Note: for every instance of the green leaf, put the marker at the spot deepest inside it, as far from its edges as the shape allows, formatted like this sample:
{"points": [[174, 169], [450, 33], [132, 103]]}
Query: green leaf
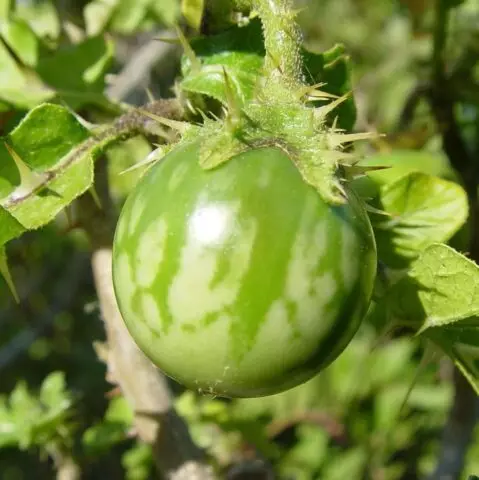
{"points": [[119, 410], [167, 11], [239, 51], [348, 465], [113, 429], [138, 462], [42, 17], [10, 73], [53, 391], [5, 6], [129, 15], [21, 39], [192, 10], [46, 151], [423, 210], [78, 69], [97, 14], [400, 163], [439, 290], [439, 297]]}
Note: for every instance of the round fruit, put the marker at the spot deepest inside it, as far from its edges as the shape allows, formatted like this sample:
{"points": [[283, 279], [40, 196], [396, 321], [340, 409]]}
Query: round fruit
{"points": [[240, 281]]}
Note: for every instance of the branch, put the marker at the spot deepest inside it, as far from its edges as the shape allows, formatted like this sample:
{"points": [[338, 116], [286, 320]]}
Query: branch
{"points": [[145, 388]]}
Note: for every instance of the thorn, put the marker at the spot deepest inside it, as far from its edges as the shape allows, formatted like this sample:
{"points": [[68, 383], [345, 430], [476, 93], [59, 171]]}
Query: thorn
{"points": [[181, 127], [313, 92], [26, 174], [153, 156], [189, 52], [337, 156], [69, 214], [370, 208], [5, 271], [353, 137], [337, 139], [95, 197], [276, 62], [356, 171], [233, 116], [88, 125], [325, 109], [150, 95]]}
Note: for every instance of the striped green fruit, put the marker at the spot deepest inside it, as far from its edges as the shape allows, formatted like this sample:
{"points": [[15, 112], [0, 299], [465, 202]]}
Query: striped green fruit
{"points": [[240, 281]]}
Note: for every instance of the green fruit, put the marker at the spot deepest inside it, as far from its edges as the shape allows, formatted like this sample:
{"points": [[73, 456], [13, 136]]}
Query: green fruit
{"points": [[240, 281]]}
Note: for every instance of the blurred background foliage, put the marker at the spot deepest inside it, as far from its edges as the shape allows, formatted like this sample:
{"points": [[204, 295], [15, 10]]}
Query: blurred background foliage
{"points": [[358, 419]]}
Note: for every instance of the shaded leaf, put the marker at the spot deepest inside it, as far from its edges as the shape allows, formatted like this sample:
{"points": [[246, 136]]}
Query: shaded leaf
{"points": [[78, 69], [439, 297], [239, 50], [400, 163], [440, 289], [423, 209]]}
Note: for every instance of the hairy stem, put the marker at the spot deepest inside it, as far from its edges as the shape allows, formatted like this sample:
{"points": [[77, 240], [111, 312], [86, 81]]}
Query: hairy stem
{"points": [[282, 39], [143, 385]]}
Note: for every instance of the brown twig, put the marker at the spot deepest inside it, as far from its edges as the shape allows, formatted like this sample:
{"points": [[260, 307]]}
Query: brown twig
{"points": [[145, 388]]}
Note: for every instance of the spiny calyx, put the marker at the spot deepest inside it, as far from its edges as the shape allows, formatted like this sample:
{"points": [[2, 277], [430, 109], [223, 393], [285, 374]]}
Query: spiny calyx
{"points": [[316, 148]]}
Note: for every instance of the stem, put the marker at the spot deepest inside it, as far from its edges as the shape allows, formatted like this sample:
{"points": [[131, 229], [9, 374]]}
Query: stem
{"points": [[282, 40], [66, 466], [145, 388]]}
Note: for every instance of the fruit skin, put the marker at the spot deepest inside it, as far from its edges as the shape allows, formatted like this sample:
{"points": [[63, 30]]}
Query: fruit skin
{"points": [[240, 281]]}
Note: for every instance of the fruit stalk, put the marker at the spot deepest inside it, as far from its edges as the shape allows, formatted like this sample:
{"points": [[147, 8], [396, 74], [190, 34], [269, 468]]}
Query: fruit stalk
{"points": [[282, 39]]}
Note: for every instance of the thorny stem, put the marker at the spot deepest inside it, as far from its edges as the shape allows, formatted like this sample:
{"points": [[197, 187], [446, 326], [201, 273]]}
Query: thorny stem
{"points": [[282, 39]]}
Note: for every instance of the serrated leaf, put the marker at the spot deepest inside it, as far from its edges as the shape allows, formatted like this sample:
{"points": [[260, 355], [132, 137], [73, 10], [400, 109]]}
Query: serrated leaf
{"points": [[423, 210], [21, 39], [439, 290], [53, 144]]}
